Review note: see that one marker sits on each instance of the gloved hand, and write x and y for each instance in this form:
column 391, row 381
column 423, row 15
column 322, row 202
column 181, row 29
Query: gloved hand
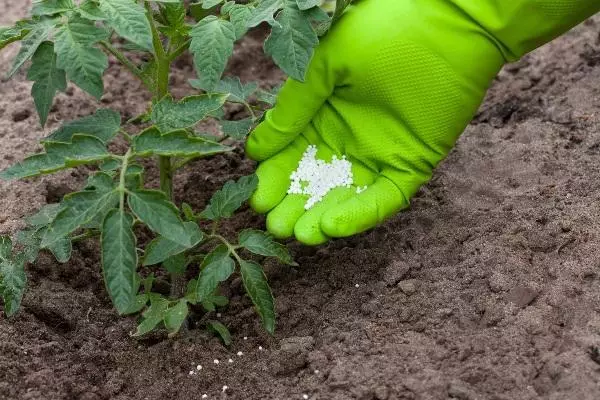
column 391, row 86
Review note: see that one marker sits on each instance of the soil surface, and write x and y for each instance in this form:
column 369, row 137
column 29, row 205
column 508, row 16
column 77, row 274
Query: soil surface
column 487, row 288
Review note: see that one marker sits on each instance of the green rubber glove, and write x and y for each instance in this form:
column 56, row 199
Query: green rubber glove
column 391, row 86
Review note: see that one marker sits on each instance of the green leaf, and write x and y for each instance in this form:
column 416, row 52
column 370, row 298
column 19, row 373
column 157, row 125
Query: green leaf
column 170, row 116
column 12, row 34
column 211, row 46
column 188, row 212
column 206, row 4
column 103, row 125
column 139, row 302
column 30, row 43
column 259, row 291
column 61, row 249
column 173, row 18
column 220, row 330
column 268, row 96
column 153, row 315
column 232, row 86
column 292, row 43
column 237, row 129
column 161, row 248
column 44, row 216
column 216, row 267
column 51, row 7
column 89, row 9
column 239, row 15
column 83, row 150
column 227, row 200
column 129, row 20
column 119, row 259
column 307, row 4
column 175, row 265
column 78, row 209
column 263, row 244
column 47, row 78
column 101, row 181
column 30, row 239
column 175, row 144
column 155, row 210
column 83, row 62
column 264, row 12
column 12, row 277
column 175, row 316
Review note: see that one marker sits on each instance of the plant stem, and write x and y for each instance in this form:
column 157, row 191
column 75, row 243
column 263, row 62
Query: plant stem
column 166, row 175
column 180, row 50
column 126, row 63
column 122, row 189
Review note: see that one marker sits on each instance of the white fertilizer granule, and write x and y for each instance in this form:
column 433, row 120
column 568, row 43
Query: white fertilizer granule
column 315, row 178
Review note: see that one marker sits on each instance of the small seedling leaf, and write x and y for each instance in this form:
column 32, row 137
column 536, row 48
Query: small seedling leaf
column 44, row 216
column 83, row 150
column 216, row 267
column 239, row 15
column 103, row 125
column 175, row 316
column 175, row 144
column 227, row 200
column 259, row 291
column 237, row 91
column 119, row 259
column 307, row 4
column 12, row 34
column 89, row 9
column 261, row 243
column 154, row 315
column 138, row 304
column 161, row 248
column 47, row 78
column 155, row 210
column 264, row 12
column 129, row 20
column 12, row 277
column 175, row 265
column 237, row 129
column 77, row 55
column 211, row 46
column 169, row 115
column 61, row 249
column 220, row 330
column 29, row 44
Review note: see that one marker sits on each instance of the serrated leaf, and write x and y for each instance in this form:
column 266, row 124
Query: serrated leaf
column 259, row 291
column 30, row 239
column 307, row 4
column 237, row 129
column 12, row 277
column 173, row 18
column 154, row 315
column 14, row 33
column 227, row 200
column 119, row 259
column 89, row 9
column 101, row 181
column 161, row 248
column 170, row 116
column 292, row 43
column 78, row 209
column 76, row 54
column 232, row 86
column 239, row 15
column 104, row 124
column 216, row 267
column 29, row 44
column 175, row 144
column 175, row 316
column 211, row 46
column 261, row 243
column 129, row 20
column 47, row 78
column 155, row 210
column 51, row 7
column 44, row 216
column 264, row 12
column 61, row 249
column 220, row 330
column 83, row 150
column 268, row 96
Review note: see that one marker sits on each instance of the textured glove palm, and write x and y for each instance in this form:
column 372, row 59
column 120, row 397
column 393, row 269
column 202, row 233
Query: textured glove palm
column 392, row 86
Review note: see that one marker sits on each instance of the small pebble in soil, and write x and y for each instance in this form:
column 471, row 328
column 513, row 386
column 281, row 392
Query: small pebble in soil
column 218, row 315
column 357, row 285
column 191, row 372
column 239, row 353
column 198, row 367
column 216, row 361
column 205, row 396
column 245, row 337
column 225, row 387
column 230, row 360
column 260, row 348
column 305, row 396
column 317, row 371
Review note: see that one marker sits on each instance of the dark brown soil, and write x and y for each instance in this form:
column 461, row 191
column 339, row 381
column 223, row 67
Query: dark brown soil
column 488, row 288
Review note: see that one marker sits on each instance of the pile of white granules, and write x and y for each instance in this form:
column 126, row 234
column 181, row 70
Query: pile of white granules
column 315, row 178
